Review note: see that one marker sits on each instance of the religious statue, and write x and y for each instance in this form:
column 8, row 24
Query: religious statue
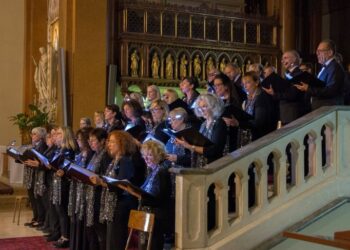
column 55, row 38
column 197, row 68
column 210, row 64
column 246, row 66
column 183, row 67
column 223, row 64
column 46, row 99
column 40, row 76
column 155, row 65
column 53, row 10
column 134, row 65
column 235, row 61
column 169, row 67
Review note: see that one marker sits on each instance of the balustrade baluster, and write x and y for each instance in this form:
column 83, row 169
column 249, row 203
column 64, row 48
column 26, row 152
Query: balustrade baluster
column 299, row 165
column 263, row 185
column 281, row 176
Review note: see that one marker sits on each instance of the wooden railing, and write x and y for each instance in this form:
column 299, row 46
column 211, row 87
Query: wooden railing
column 261, row 189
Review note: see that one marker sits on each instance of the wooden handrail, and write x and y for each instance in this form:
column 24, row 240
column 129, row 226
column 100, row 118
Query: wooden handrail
column 340, row 240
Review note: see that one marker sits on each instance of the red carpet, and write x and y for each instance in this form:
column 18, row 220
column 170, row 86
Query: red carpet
column 26, row 243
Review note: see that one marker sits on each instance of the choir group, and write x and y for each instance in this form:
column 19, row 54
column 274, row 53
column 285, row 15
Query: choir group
column 139, row 141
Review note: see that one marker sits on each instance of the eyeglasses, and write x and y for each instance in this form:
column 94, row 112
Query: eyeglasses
column 203, row 108
column 174, row 118
column 321, row 50
column 155, row 110
column 111, row 142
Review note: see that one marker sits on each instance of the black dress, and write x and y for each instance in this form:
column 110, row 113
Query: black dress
column 116, row 203
column 30, row 177
column 45, row 181
column 76, row 207
column 60, row 193
column 94, row 230
column 217, row 134
column 261, row 109
column 158, row 186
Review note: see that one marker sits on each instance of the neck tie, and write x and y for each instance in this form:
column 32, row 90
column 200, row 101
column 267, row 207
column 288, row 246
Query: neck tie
column 288, row 75
column 321, row 71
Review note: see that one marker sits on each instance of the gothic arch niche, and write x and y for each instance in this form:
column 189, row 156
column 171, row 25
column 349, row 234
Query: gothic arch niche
column 197, row 64
column 254, row 181
column 183, row 64
column 155, row 63
column 266, row 61
column 212, row 217
column 232, row 187
column 134, row 61
column 223, row 60
column 210, row 63
column 248, row 60
column 237, row 59
column 169, row 59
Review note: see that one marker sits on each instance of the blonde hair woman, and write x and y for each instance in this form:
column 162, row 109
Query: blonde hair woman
column 157, row 185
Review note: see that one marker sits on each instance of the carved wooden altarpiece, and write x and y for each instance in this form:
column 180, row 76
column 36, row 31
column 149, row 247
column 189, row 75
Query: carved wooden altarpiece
column 201, row 37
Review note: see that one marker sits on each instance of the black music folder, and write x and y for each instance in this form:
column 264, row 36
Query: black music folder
column 79, row 173
column 57, row 161
column 134, row 130
column 128, row 187
column 21, row 156
column 151, row 137
column 191, row 135
column 42, row 159
column 239, row 114
column 307, row 78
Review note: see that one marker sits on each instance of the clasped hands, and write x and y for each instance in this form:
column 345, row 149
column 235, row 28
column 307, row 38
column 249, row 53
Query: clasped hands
column 302, row 86
column 32, row 163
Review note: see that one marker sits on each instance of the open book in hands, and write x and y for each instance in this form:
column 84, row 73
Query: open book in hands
column 190, row 135
column 81, row 174
column 128, row 187
column 21, row 156
column 56, row 163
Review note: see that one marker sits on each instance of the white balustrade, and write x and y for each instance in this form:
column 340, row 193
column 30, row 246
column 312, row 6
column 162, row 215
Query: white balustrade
column 290, row 201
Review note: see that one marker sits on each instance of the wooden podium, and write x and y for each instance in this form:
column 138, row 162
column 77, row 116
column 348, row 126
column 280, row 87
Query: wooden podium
column 340, row 240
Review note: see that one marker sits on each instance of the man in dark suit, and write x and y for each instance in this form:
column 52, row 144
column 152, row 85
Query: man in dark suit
column 331, row 73
column 292, row 102
column 233, row 72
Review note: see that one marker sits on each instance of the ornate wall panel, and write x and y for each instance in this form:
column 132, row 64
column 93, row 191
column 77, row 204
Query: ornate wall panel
column 161, row 44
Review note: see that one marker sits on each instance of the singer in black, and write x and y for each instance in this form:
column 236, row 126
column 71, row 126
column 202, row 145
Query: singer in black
column 331, row 73
column 66, row 148
column 116, row 203
column 209, row 107
column 76, row 205
column 38, row 135
column 157, row 185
